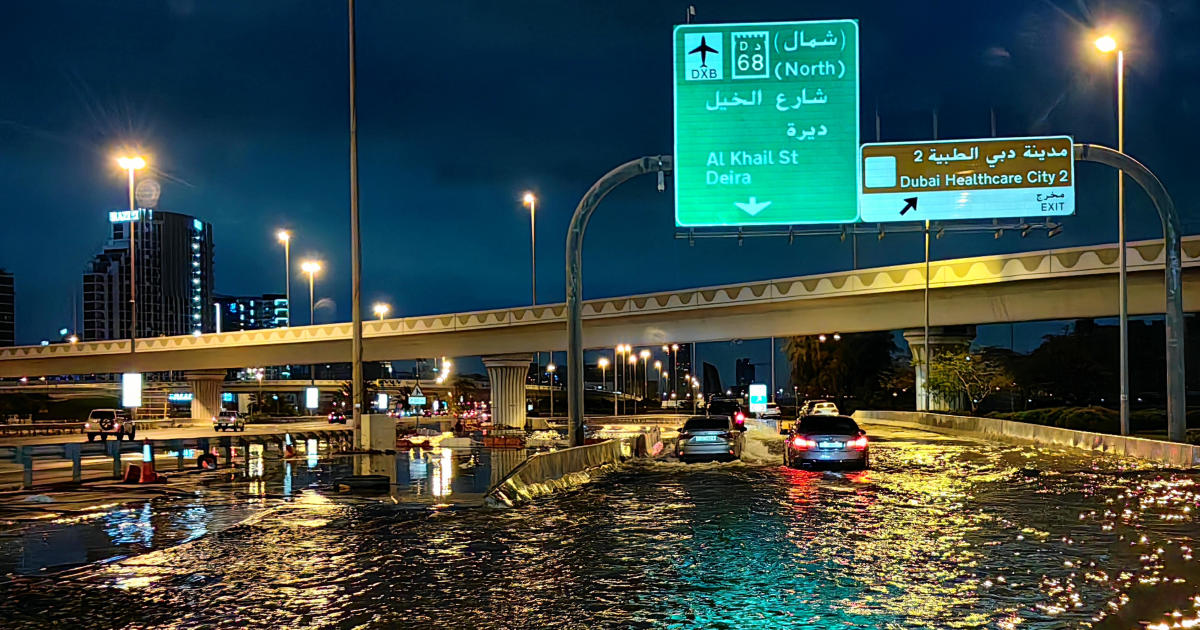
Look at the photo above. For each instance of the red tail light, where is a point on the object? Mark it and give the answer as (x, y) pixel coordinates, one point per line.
(740, 417)
(801, 442)
(860, 443)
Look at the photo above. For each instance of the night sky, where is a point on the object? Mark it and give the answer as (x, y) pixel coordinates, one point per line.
(464, 105)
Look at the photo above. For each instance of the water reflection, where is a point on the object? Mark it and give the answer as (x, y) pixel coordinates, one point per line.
(940, 533)
(433, 474)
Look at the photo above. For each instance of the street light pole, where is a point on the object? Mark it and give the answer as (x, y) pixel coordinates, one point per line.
(631, 378)
(645, 354)
(133, 221)
(530, 200)
(132, 165)
(355, 240)
(286, 238)
(311, 267)
(603, 363)
(1121, 253)
(550, 368)
(928, 357)
(1108, 44)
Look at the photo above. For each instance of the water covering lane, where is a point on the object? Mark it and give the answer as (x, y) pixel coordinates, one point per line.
(941, 533)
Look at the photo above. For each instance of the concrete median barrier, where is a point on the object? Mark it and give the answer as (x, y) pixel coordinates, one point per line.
(1168, 453)
(544, 473)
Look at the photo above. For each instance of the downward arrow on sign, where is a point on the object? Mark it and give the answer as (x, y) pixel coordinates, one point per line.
(753, 206)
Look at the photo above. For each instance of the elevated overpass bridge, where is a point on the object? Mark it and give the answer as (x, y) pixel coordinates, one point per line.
(1025, 286)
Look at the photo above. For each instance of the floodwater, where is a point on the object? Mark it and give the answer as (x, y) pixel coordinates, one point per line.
(941, 533)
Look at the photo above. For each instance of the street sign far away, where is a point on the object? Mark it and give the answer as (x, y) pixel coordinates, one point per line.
(988, 178)
(766, 123)
(758, 398)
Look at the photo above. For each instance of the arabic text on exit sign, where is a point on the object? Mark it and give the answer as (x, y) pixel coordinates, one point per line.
(766, 123)
(985, 178)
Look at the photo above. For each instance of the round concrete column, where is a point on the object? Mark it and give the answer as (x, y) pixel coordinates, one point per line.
(206, 392)
(940, 338)
(507, 374)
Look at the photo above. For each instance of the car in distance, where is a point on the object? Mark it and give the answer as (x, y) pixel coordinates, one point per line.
(337, 417)
(105, 422)
(827, 439)
(823, 408)
(229, 421)
(709, 437)
(727, 407)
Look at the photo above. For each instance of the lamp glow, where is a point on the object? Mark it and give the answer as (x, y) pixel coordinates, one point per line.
(1106, 44)
(135, 163)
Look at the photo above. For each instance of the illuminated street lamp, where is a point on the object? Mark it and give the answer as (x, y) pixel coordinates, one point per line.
(603, 363)
(381, 309)
(674, 365)
(132, 165)
(285, 237)
(662, 391)
(645, 355)
(631, 379)
(531, 201)
(310, 267)
(1107, 44)
(550, 368)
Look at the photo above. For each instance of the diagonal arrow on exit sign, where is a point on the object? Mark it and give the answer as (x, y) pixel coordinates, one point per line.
(752, 207)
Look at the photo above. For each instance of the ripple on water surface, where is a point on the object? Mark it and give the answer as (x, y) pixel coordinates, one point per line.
(941, 533)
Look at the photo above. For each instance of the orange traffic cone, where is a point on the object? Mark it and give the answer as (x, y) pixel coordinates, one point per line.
(148, 474)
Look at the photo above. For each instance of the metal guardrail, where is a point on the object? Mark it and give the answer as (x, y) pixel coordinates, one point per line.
(26, 455)
(40, 428)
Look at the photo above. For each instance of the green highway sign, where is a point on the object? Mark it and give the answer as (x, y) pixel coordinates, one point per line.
(766, 123)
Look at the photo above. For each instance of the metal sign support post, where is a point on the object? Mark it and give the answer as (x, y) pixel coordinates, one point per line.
(661, 164)
(1172, 270)
(928, 357)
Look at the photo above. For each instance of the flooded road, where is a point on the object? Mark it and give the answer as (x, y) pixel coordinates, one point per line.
(941, 533)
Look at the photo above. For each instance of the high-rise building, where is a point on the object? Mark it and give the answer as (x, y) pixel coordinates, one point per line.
(743, 372)
(174, 271)
(7, 310)
(253, 312)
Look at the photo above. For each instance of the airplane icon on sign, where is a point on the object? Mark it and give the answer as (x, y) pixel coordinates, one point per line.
(703, 49)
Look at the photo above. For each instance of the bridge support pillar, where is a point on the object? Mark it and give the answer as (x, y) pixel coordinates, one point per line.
(206, 392)
(940, 338)
(508, 373)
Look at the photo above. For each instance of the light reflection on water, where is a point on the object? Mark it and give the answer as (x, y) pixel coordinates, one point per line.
(942, 534)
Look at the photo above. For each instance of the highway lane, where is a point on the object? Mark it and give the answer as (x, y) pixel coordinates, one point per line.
(941, 532)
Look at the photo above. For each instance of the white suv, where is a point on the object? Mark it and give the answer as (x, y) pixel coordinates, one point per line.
(106, 422)
(229, 421)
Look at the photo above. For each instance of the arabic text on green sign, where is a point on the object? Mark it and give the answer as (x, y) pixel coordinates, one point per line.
(766, 123)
